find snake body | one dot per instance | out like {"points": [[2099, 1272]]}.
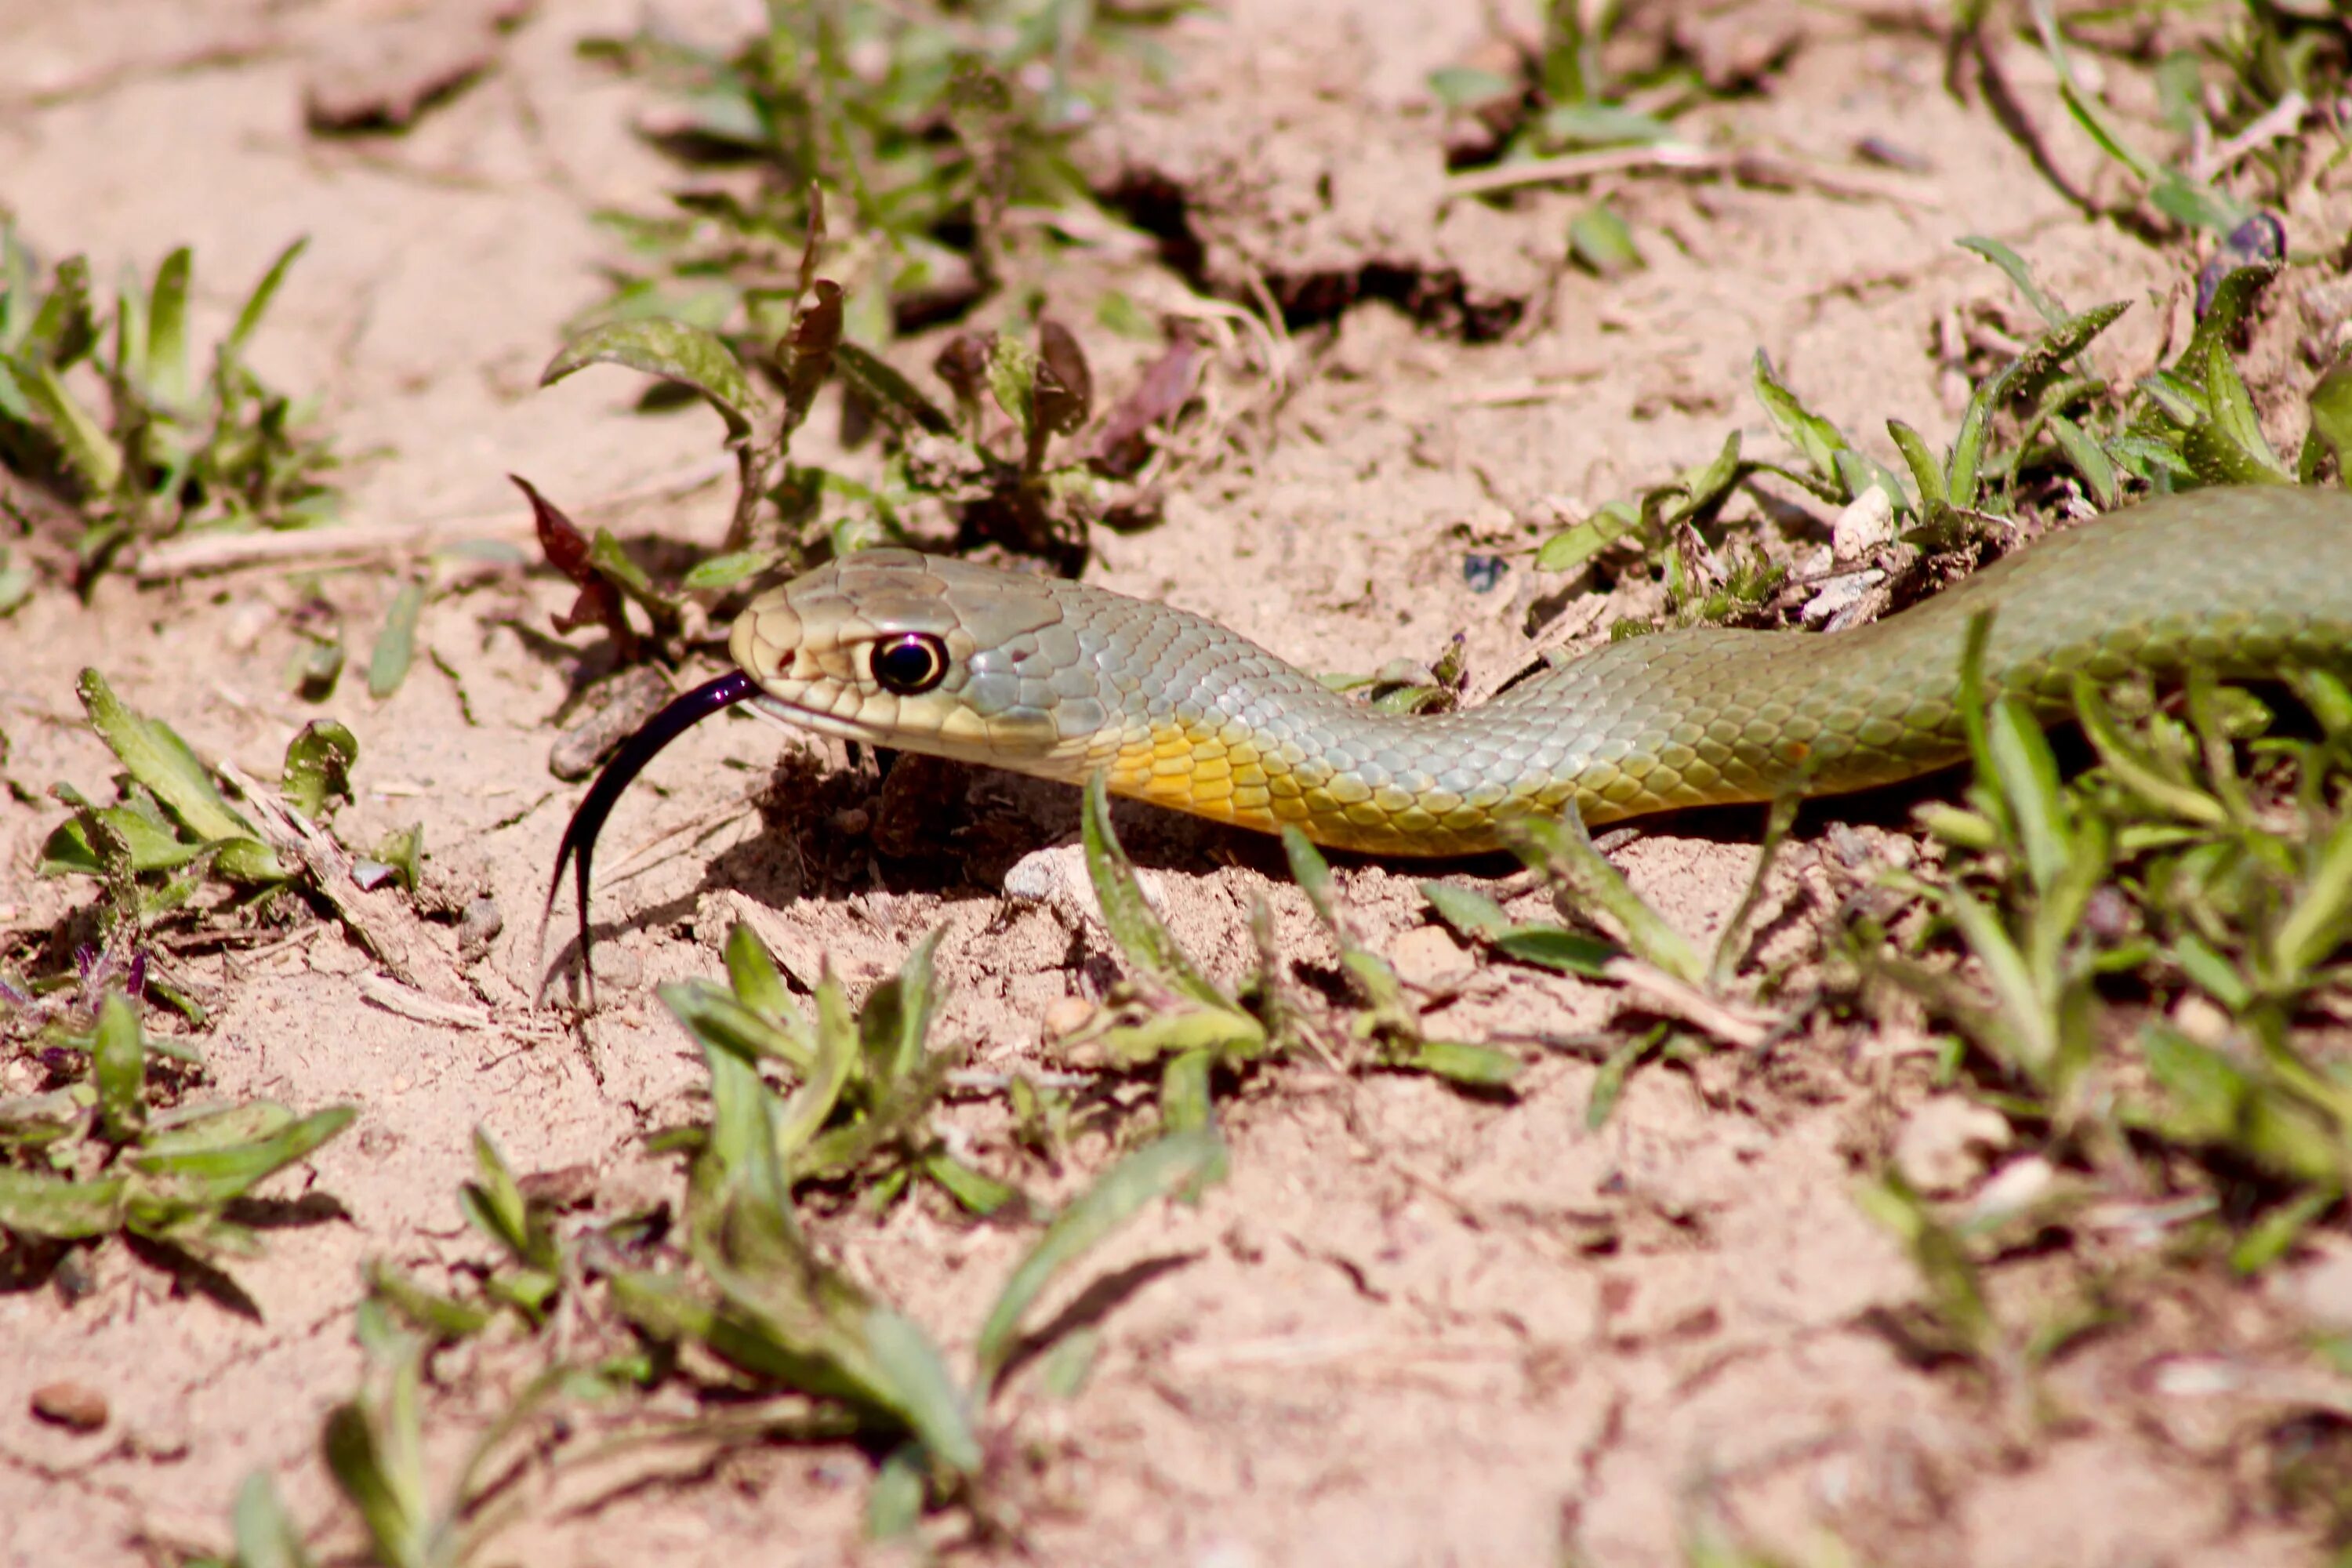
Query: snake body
{"points": [[1062, 679]]}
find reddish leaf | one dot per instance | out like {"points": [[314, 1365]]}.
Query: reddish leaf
{"points": [[807, 353], [567, 550], [1064, 393], [1123, 446], [963, 364]]}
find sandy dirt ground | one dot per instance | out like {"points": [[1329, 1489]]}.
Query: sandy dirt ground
{"points": [[1411, 1326]]}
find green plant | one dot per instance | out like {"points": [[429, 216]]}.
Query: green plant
{"points": [[1029, 485], [172, 453], [374, 1445], [2044, 416], [942, 130], [1389, 1018], [867, 1081], [111, 1148], [171, 827], [759, 1294], [2160, 865], [1562, 98]]}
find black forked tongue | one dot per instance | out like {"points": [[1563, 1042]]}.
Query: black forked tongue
{"points": [[684, 712]]}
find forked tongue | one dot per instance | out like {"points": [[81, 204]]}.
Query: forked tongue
{"points": [[683, 713]]}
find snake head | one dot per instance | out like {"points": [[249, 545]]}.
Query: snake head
{"points": [[891, 648], [917, 653]]}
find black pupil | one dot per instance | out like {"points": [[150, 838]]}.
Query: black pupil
{"points": [[908, 665]]}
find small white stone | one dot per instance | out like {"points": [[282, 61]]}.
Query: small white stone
{"points": [[1946, 1143], [2320, 1286], [1867, 523], [1056, 877], [1428, 956]]}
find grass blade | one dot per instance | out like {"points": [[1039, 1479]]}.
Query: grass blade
{"points": [[1138, 932], [1158, 1169]]}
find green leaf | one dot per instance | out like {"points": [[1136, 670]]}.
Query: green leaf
{"points": [[62, 1211], [2317, 923], [758, 983], [1555, 947], [2013, 267], [1568, 550], [1464, 87], [1600, 240], [888, 394], [2084, 453], [721, 1023], [319, 766], [1817, 439], [1608, 1081], [2027, 771], [895, 1507], [2030, 1035], [897, 1016], [726, 570], [688, 355], [1479, 1067], [400, 853], [977, 1192], [395, 646], [379, 1473], [1173, 1165], [265, 1536], [1473, 914], [165, 370], [434, 1314], [1585, 883], [157, 758], [187, 1130], [1601, 125], [2133, 768], [1012, 381], [219, 1174], [2271, 1237], [2231, 410], [1926, 473], [812, 1104], [2217, 459], [1184, 1099], [2046, 356], [1134, 927], [1220, 1030], [257, 304], [119, 1069], [94, 454], [916, 1382], [1961, 483], [2331, 422]]}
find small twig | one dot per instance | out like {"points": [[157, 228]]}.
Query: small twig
{"points": [[1735, 1027], [2280, 121], [393, 997], [201, 553], [1574, 166]]}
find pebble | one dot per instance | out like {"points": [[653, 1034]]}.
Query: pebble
{"points": [[2320, 1286], [74, 1406], [1947, 1143], [1428, 955]]}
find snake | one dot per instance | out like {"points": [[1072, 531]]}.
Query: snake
{"points": [[1064, 680]]}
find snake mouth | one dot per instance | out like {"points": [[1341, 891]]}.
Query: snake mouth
{"points": [[819, 722]]}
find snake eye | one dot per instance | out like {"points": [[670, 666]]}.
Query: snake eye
{"points": [[911, 663]]}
